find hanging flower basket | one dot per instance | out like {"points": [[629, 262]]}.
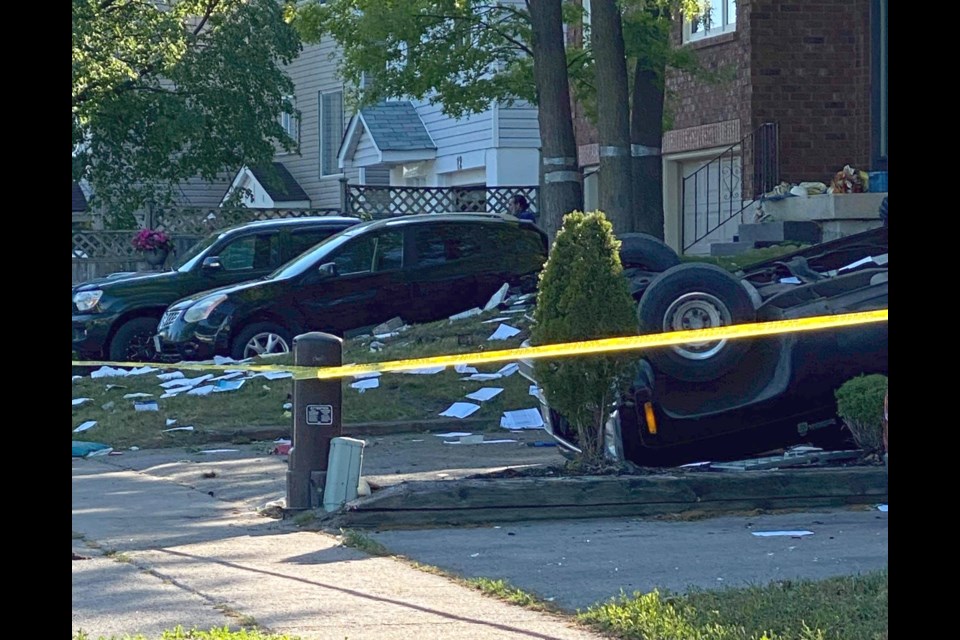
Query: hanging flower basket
{"points": [[154, 244]]}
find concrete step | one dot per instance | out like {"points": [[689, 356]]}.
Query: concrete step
{"points": [[718, 249], [764, 234]]}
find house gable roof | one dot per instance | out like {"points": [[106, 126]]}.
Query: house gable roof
{"points": [[283, 187], [396, 131], [79, 200]]}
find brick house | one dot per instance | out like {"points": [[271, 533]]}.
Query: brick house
{"points": [[815, 70]]}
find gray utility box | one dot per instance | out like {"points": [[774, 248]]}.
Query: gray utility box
{"points": [[343, 472]]}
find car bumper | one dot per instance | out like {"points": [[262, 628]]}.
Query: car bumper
{"points": [[90, 332], [190, 341]]}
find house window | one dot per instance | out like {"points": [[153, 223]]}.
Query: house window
{"points": [[291, 121], [716, 17], [331, 131]]}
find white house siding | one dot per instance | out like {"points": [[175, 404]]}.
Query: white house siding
{"points": [[366, 154], [518, 126], [313, 72], [461, 144]]}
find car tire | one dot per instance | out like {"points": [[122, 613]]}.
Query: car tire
{"points": [[643, 251], [133, 341], [260, 338], [695, 296]]}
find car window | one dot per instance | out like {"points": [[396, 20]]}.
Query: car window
{"points": [[190, 258], [514, 240], [303, 240], [367, 253], [439, 244], [261, 251]]}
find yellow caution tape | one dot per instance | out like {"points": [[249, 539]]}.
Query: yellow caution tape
{"points": [[605, 345]]}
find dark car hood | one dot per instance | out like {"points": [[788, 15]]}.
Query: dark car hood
{"points": [[134, 280], [228, 290]]}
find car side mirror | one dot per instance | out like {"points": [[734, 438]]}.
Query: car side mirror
{"points": [[212, 263], [327, 270]]}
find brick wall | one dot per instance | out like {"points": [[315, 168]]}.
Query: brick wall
{"points": [[804, 64]]}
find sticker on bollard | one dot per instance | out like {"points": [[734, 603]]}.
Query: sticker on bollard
{"points": [[320, 414]]}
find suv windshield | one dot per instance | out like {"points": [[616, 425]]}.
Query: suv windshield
{"points": [[190, 258]]}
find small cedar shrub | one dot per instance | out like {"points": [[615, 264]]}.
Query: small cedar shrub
{"points": [[583, 295], [860, 405]]}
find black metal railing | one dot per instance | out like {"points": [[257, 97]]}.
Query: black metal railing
{"points": [[712, 196]]}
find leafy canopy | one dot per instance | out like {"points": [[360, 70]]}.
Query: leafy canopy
{"points": [[163, 92]]}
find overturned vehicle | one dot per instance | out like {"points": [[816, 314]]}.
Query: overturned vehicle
{"points": [[720, 400]]}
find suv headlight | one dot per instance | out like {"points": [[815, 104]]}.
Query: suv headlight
{"points": [[86, 300], [202, 309]]}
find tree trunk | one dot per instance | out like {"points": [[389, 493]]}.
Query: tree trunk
{"points": [[561, 188], [613, 115], [646, 136]]}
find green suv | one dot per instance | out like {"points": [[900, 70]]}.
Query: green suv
{"points": [[116, 317]]}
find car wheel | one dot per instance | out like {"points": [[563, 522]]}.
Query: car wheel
{"points": [[643, 251], [133, 341], [261, 338], [695, 296]]}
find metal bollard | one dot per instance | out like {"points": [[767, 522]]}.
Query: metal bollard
{"points": [[316, 419]]}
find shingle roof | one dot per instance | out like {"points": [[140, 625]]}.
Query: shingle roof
{"points": [[79, 200], [396, 126], [282, 186]]}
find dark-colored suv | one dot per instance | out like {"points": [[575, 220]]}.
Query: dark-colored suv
{"points": [[419, 267], [117, 316]]}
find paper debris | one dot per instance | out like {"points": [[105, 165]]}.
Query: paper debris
{"points": [[462, 368], [790, 280], [225, 385], [425, 371], [201, 391], [882, 507], [461, 441], [453, 434], [219, 450], [492, 320], [376, 346], [485, 393], [368, 383], [78, 401], [274, 375], [534, 391], [503, 332], [131, 396], [466, 314], [497, 297], [113, 386], [86, 425], [460, 410], [230, 375], [107, 372], [178, 429], [75, 378], [171, 421], [791, 534], [223, 360], [522, 419], [508, 370], [173, 394], [170, 376], [146, 405], [185, 383], [483, 376], [139, 371], [362, 376]]}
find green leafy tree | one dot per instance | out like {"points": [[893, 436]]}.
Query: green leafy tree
{"points": [[163, 92], [584, 296]]}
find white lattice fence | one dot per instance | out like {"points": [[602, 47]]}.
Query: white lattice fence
{"points": [[203, 221], [383, 202]]}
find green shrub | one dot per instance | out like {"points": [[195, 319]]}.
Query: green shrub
{"points": [[583, 296], [860, 405]]}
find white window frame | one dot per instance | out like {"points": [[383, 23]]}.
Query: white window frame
{"points": [[337, 171], [291, 121], [726, 20]]}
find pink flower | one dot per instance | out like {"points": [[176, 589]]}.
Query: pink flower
{"points": [[151, 239]]}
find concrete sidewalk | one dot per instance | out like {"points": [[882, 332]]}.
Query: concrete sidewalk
{"points": [[160, 553]]}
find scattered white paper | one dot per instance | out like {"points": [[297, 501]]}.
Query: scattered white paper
{"points": [[425, 371], [497, 297], [139, 371], [790, 280], [171, 421], [791, 534], [384, 336], [113, 386], [460, 410], [522, 419], [362, 376], [485, 393], [882, 507], [86, 425], [100, 452], [108, 372], [178, 429], [172, 394], [880, 260], [75, 378], [201, 391], [483, 376], [503, 332], [185, 383], [693, 465], [453, 434], [466, 314], [363, 385], [79, 401], [223, 360], [219, 450], [492, 320], [170, 376], [508, 370], [230, 375], [146, 405], [498, 441], [534, 391], [226, 385], [131, 396], [463, 368], [274, 375]]}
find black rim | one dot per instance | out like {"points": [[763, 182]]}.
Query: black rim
{"points": [[140, 348]]}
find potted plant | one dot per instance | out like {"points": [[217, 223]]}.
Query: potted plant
{"points": [[154, 244]]}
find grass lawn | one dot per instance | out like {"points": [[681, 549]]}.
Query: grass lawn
{"points": [[258, 405]]}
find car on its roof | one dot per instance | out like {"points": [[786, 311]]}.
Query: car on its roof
{"points": [[720, 400], [420, 268], [116, 316]]}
